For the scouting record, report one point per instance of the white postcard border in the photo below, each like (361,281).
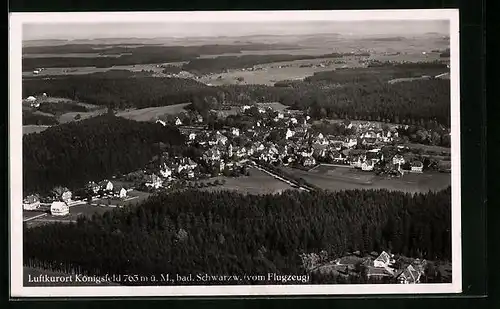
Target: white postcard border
(16,20)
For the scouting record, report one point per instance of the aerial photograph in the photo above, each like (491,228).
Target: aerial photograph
(236,153)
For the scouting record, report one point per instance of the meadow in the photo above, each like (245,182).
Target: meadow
(257,183)
(345,178)
(152,113)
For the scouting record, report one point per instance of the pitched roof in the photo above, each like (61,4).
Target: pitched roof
(383,257)
(58,205)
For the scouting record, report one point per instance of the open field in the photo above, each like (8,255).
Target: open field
(30,274)
(71,55)
(152,113)
(265,77)
(437,149)
(257,183)
(269,73)
(345,178)
(31,128)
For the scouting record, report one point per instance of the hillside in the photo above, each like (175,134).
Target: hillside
(91,149)
(357,94)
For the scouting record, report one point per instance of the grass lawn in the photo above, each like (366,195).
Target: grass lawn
(345,178)
(31,273)
(68,117)
(133,197)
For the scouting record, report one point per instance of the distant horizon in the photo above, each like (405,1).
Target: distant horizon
(186,30)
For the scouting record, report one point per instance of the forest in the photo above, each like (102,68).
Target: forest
(224,63)
(128,55)
(356,94)
(30,118)
(72,154)
(224,232)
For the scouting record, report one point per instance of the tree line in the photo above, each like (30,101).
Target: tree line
(91,150)
(224,232)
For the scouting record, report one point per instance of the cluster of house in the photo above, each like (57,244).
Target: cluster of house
(298,143)
(383,266)
(62,198)
(178,167)
(106,188)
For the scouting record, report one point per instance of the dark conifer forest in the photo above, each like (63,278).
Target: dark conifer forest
(90,150)
(229,233)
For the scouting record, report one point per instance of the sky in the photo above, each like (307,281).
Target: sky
(203,29)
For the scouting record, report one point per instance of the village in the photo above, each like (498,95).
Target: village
(264,136)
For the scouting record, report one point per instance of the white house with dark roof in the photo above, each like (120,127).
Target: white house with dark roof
(383,260)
